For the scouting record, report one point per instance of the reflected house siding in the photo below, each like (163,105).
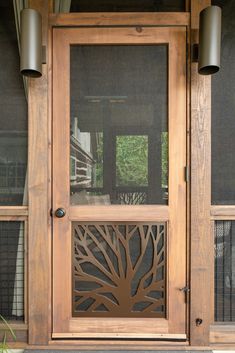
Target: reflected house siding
(81,163)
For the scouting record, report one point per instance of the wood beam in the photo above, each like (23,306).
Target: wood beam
(120,19)
(201,239)
(39,216)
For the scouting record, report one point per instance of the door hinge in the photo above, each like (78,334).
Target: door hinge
(187,174)
(44,54)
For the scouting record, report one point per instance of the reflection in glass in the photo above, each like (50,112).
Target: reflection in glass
(132,168)
(119,125)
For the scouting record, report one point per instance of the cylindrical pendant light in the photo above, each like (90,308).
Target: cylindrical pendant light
(209,40)
(31,43)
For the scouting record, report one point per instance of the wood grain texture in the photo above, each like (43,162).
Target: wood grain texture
(177,185)
(113,335)
(38,242)
(120,19)
(112,344)
(126,345)
(188,158)
(201,242)
(20,333)
(62,283)
(14,211)
(12,218)
(223,212)
(224,334)
(118,325)
(49,164)
(116,213)
(187,5)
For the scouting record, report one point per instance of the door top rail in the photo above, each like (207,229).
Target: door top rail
(120,19)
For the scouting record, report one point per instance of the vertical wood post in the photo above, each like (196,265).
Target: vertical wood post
(39,218)
(201,242)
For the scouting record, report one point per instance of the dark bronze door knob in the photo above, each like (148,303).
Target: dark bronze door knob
(60,213)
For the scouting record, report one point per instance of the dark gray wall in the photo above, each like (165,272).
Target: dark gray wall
(13,112)
(223,112)
(127,5)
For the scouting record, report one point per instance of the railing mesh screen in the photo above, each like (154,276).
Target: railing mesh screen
(12,270)
(225,271)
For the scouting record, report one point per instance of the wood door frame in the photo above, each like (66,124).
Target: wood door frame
(40,202)
(175,37)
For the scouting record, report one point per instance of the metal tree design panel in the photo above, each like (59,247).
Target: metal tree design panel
(119,270)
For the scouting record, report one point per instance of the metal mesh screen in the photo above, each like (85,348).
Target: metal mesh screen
(13,117)
(225,271)
(223,105)
(12,270)
(119,124)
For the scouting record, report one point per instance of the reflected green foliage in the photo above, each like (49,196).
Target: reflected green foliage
(132,161)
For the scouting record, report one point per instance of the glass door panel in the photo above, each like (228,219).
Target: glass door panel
(119,124)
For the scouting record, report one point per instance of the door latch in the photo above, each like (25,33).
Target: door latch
(186,291)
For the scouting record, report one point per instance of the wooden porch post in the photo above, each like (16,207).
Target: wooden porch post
(39,216)
(201,243)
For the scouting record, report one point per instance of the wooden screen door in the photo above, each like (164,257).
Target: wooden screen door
(119,191)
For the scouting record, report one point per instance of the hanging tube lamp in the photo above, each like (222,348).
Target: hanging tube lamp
(209,40)
(31,43)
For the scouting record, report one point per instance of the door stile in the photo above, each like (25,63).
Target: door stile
(61,176)
(177,184)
